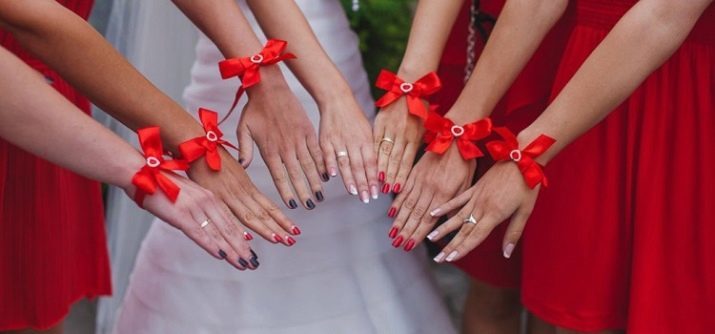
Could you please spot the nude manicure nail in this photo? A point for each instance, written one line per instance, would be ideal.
(365, 197)
(508, 249)
(435, 212)
(374, 192)
(439, 257)
(333, 172)
(353, 190)
(432, 235)
(452, 256)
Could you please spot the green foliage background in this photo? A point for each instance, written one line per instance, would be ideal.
(383, 27)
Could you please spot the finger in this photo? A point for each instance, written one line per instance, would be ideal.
(273, 232)
(346, 171)
(358, 170)
(245, 146)
(330, 159)
(383, 155)
(405, 166)
(418, 212)
(455, 222)
(454, 203)
(393, 164)
(229, 229)
(470, 239)
(311, 172)
(234, 218)
(514, 231)
(317, 154)
(406, 205)
(280, 179)
(252, 213)
(192, 230)
(297, 178)
(275, 214)
(370, 167)
(225, 251)
(426, 225)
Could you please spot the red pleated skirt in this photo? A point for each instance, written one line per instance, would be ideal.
(52, 240)
(623, 236)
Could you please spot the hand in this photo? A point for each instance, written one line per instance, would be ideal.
(434, 179)
(287, 142)
(238, 195)
(344, 128)
(501, 193)
(222, 237)
(395, 158)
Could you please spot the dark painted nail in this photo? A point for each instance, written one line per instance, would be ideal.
(310, 204)
(255, 256)
(240, 161)
(292, 204)
(243, 262)
(319, 196)
(254, 262)
(222, 254)
(325, 177)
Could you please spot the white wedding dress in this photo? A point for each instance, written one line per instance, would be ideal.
(342, 276)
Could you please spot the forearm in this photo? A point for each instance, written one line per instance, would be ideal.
(521, 27)
(81, 56)
(639, 43)
(429, 33)
(36, 118)
(284, 20)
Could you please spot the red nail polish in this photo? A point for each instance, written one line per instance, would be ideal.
(385, 188)
(381, 176)
(247, 236)
(396, 189)
(277, 238)
(409, 245)
(295, 230)
(290, 241)
(391, 213)
(397, 242)
(393, 233)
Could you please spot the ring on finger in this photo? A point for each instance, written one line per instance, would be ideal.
(205, 223)
(387, 139)
(342, 153)
(470, 220)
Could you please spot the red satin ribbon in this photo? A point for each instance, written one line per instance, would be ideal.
(415, 91)
(509, 150)
(442, 131)
(149, 177)
(247, 68)
(207, 145)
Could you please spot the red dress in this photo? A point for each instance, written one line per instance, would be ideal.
(623, 236)
(52, 242)
(523, 102)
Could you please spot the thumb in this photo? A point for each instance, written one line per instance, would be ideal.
(245, 145)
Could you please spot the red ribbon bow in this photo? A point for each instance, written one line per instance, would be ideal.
(415, 91)
(247, 68)
(149, 177)
(207, 145)
(442, 131)
(509, 150)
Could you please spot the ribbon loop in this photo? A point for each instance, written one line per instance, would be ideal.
(206, 145)
(442, 131)
(150, 177)
(414, 91)
(508, 149)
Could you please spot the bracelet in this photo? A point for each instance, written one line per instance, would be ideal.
(508, 149)
(151, 176)
(247, 68)
(414, 91)
(206, 145)
(441, 131)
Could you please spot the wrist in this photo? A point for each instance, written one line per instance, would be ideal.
(125, 172)
(272, 80)
(460, 115)
(531, 133)
(413, 71)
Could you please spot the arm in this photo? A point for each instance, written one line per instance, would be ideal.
(642, 40)
(38, 119)
(75, 50)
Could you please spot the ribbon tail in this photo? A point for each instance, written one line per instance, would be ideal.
(416, 107)
(468, 149)
(498, 150)
(213, 159)
(439, 145)
(170, 189)
(533, 174)
(192, 150)
(387, 99)
(145, 185)
(239, 93)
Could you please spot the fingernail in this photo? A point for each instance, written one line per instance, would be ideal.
(452, 256)
(254, 262)
(222, 254)
(333, 172)
(247, 236)
(393, 233)
(353, 190)
(374, 192)
(508, 249)
(277, 238)
(255, 256)
(391, 213)
(381, 176)
(319, 196)
(396, 189)
(242, 262)
(292, 204)
(325, 177)
(241, 160)
(432, 235)
(365, 197)
(295, 230)
(409, 245)
(309, 203)
(290, 241)
(397, 242)
(435, 212)
(439, 257)
(385, 188)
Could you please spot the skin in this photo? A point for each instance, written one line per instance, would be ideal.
(71, 47)
(641, 41)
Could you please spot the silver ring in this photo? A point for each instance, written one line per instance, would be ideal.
(342, 154)
(470, 220)
(205, 223)
(389, 140)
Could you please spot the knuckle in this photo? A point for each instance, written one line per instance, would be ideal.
(343, 163)
(409, 204)
(419, 210)
(262, 215)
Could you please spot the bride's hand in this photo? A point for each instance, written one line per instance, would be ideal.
(435, 179)
(346, 140)
(222, 236)
(498, 195)
(397, 137)
(286, 139)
